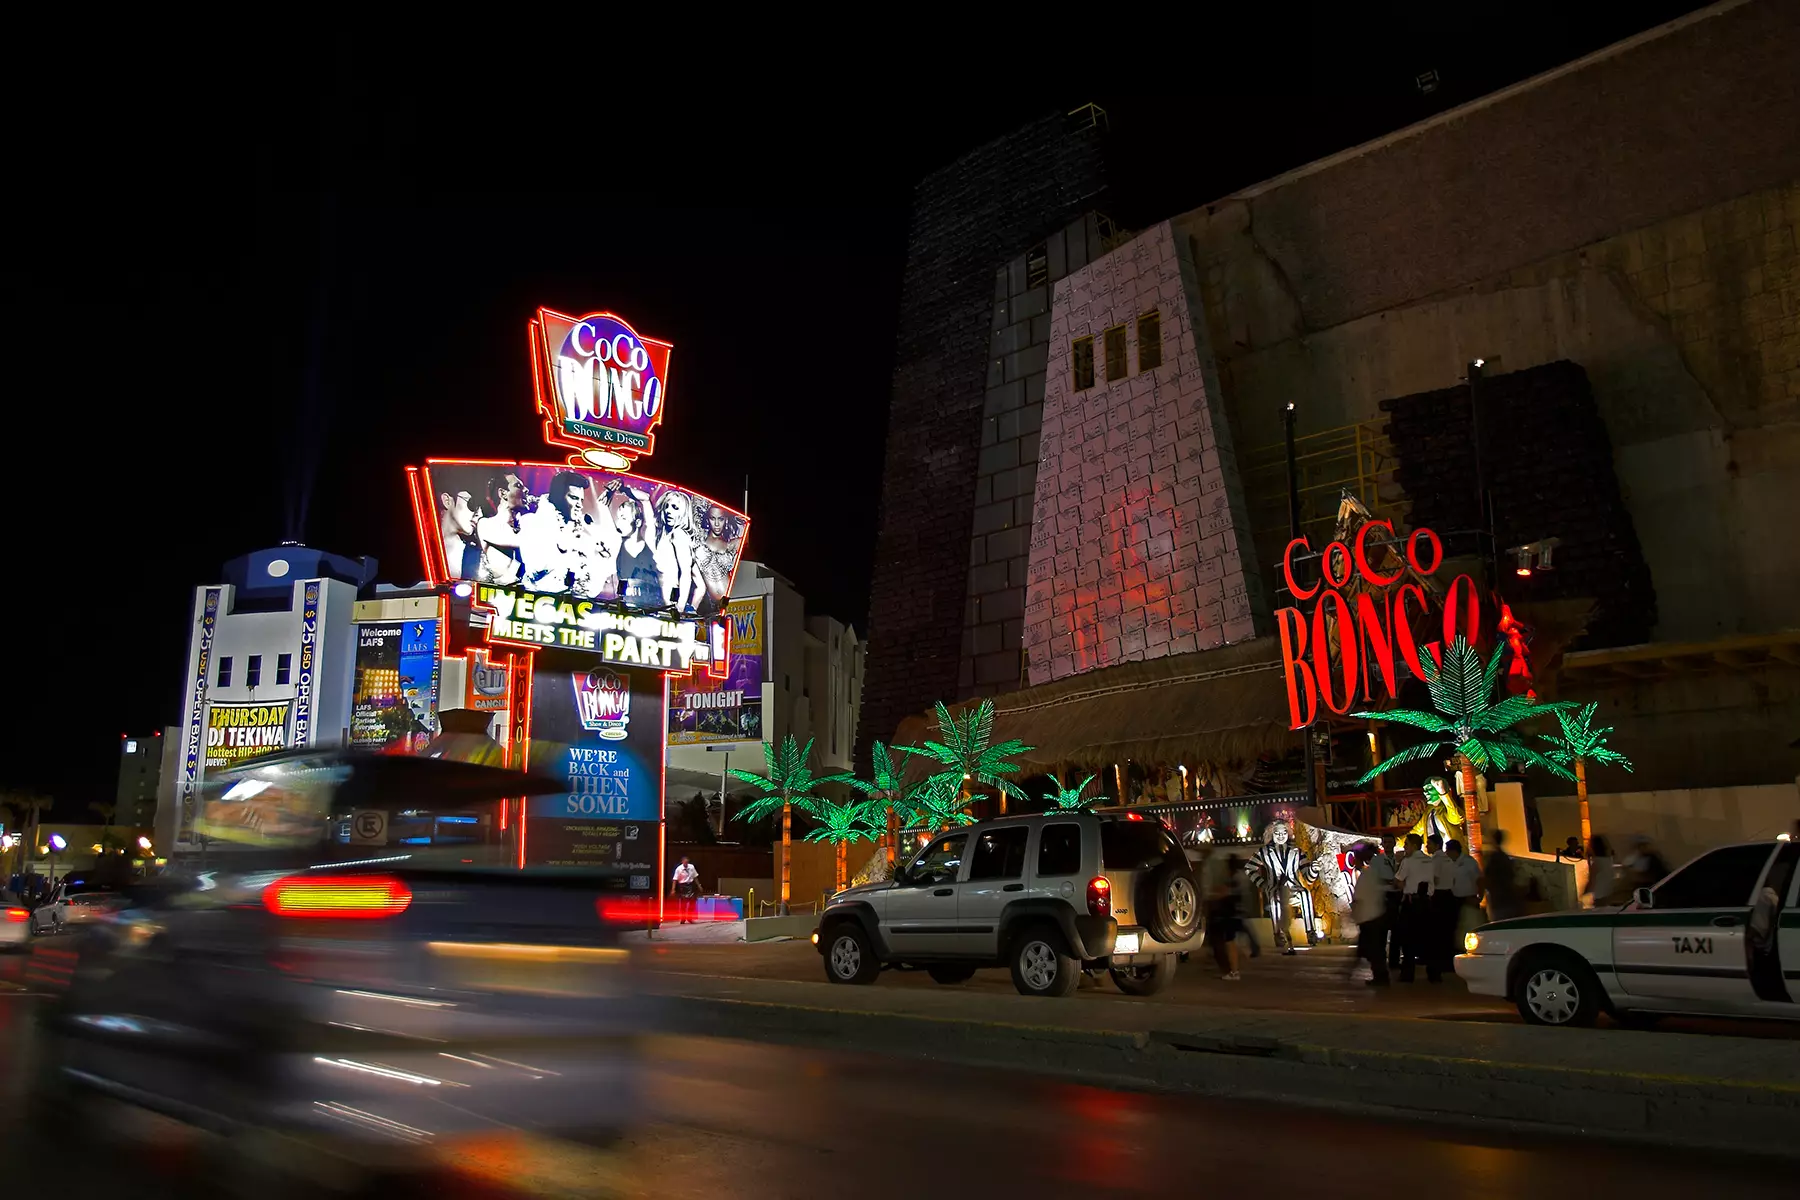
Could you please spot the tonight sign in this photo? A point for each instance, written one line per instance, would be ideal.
(524, 618)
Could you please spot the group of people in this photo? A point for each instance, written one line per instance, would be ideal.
(1409, 904)
(1612, 883)
(611, 541)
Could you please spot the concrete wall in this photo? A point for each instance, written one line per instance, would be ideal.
(1683, 823)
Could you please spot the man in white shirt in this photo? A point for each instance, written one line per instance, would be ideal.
(1465, 889)
(1369, 908)
(1443, 901)
(686, 886)
(1418, 883)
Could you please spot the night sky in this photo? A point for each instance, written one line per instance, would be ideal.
(243, 298)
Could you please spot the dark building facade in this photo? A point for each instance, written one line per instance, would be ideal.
(968, 381)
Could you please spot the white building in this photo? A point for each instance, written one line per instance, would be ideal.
(269, 664)
(812, 671)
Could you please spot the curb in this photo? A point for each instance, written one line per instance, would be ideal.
(1712, 1114)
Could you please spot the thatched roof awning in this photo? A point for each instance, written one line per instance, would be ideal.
(1219, 706)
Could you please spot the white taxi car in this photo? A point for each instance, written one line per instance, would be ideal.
(1720, 936)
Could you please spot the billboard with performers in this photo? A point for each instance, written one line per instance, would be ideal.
(578, 531)
(394, 699)
(706, 711)
(239, 732)
(600, 386)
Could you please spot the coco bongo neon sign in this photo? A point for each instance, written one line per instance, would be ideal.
(1376, 637)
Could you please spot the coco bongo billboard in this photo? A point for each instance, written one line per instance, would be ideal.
(590, 586)
(1375, 612)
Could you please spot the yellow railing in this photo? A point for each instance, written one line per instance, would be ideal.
(1358, 458)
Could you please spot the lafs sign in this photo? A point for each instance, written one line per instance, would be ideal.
(1376, 633)
(603, 702)
(600, 386)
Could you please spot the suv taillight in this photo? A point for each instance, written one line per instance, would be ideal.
(1099, 896)
(15, 915)
(337, 896)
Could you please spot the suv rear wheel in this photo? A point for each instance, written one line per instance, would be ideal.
(849, 958)
(1170, 902)
(1041, 964)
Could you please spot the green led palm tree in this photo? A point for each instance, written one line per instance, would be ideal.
(843, 822)
(789, 781)
(1062, 799)
(885, 788)
(969, 755)
(1478, 733)
(1579, 745)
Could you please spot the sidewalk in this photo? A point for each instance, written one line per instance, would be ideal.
(1729, 1092)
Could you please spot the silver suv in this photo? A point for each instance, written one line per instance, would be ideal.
(1048, 896)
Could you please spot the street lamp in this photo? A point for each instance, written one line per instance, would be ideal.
(58, 844)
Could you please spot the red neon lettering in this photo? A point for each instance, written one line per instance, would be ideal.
(1343, 556)
(1287, 574)
(1346, 645)
(1472, 631)
(1412, 551)
(1403, 634)
(1369, 574)
(1292, 628)
(1379, 647)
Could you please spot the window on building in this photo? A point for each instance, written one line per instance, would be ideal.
(225, 671)
(1037, 266)
(1116, 367)
(253, 673)
(1150, 340)
(1083, 349)
(284, 667)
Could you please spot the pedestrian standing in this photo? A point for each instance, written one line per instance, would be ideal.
(1417, 876)
(1603, 873)
(686, 886)
(1465, 886)
(1394, 859)
(1238, 879)
(1369, 909)
(1502, 881)
(1223, 924)
(1443, 903)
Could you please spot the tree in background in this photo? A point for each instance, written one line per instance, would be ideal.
(1579, 745)
(788, 781)
(968, 755)
(25, 809)
(1478, 733)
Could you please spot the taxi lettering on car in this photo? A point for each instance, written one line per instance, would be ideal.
(1719, 936)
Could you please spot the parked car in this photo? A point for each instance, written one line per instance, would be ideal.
(82, 907)
(292, 984)
(51, 913)
(1047, 896)
(1720, 936)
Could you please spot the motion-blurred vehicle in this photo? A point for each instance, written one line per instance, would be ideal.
(82, 907)
(303, 983)
(1719, 937)
(15, 922)
(1047, 896)
(51, 913)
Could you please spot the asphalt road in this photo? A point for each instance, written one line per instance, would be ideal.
(737, 1119)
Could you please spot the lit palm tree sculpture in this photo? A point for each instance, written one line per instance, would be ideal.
(843, 822)
(1066, 799)
(1478, 733)
(1579, 745)
(789, 781)
(886, 790)
(969, 755)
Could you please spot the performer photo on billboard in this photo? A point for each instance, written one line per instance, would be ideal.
(593, 534)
